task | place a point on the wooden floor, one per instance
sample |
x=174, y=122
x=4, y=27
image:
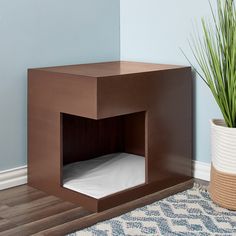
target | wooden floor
x=27, y=211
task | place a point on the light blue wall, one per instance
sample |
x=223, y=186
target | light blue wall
x=55, y=32
x=36, y=33
x=154, y=31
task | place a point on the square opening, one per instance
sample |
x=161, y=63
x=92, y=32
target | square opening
x=105, y=156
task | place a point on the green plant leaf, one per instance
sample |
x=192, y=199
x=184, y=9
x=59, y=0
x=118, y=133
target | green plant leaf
x=215, y=53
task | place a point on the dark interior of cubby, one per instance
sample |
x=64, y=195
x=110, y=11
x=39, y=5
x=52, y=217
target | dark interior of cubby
x=84, y=138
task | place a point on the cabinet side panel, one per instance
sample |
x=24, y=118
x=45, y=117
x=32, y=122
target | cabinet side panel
x=170, y=125
x=134, y=135
x=49, y=94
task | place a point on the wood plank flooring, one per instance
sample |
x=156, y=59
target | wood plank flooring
x=27, y=211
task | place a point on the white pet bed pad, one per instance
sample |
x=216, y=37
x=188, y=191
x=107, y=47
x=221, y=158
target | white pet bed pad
x=105, y=175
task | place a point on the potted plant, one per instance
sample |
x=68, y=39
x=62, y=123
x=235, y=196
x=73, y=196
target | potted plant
x=215, y=53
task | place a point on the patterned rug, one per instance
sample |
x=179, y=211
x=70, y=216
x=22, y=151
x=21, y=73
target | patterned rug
x=189, y=213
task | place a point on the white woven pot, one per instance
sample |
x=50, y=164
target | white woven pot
x=223, y=147
x=223, y=171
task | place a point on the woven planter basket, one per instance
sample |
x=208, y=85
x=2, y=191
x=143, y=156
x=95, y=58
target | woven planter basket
x=223, y=169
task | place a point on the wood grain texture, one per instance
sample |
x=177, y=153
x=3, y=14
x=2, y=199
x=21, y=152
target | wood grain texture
x=34, y=211
x=105, y=69
x=102, y=94
x=51, y=216
x=85, y=138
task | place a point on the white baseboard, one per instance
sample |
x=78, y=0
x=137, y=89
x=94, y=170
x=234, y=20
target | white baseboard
x=13, y=177
x=201, y=170
x=18, y=176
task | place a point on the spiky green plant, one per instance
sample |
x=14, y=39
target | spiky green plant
x=215, y=53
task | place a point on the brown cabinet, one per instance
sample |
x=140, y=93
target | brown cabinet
x=80, y=112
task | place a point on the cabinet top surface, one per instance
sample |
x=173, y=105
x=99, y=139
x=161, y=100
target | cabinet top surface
x=109, y=68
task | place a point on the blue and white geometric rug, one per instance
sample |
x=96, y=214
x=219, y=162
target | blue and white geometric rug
x=190, y=213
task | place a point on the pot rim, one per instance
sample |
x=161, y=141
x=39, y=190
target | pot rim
x=220, y=124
